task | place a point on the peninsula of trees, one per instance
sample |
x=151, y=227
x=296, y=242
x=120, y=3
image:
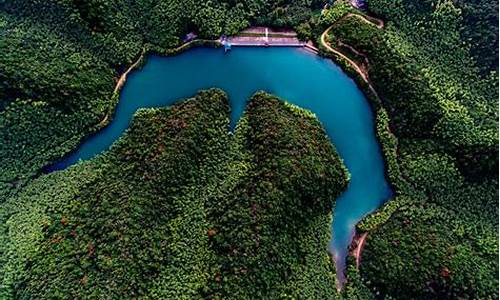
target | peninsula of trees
x=208, y=202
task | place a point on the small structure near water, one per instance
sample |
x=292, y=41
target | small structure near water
x=227, y=46
x=359, y=4
x=189, y=37
x=265, y=37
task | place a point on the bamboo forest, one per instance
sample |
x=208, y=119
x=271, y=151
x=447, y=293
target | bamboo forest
x=249, y=149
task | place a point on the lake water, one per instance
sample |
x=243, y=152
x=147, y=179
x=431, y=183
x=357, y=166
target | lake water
x=293, y=74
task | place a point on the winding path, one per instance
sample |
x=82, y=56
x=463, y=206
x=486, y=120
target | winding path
x=359, y=248
x=370, y=20
x=363, y=73
x=192, y=42
x=123, y=78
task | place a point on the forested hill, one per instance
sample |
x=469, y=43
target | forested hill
x=59, y=61
x=81, y=231
x=180, y=209
x=480, y=31
x=116, y=29
x=473, y=22
x=435, y=68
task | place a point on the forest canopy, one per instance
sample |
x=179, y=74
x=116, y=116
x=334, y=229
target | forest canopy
x=438, y=123
x=177, y=206
x=434, y=66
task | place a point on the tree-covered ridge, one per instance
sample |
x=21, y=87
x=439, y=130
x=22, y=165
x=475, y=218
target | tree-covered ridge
x=180, y=208
x=138, y=217
x=60, y=59
x=427, y=252
x=160, y=23
x=473, y=22
x=429, y=97
x=266, y=225
x=432, y=65
x=438, y=239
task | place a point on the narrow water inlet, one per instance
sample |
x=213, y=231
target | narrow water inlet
x=295, y=75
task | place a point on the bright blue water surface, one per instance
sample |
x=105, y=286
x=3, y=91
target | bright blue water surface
x=299, y=77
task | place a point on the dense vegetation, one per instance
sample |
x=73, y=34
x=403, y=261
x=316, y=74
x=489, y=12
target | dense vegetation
x=438, y=86
x=179, y=208
x=446, y=100
x=434, y=65
x=60, y=59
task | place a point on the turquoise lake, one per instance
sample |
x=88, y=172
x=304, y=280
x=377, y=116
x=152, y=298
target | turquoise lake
x=293, y=74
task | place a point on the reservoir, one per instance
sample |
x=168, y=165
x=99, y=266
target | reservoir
x=297, y=76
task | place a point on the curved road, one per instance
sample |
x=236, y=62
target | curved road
x=359, y=70
x=364, y=76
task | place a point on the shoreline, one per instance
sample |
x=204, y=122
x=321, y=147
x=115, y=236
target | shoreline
x=360, y=241
x=123, y=78
x=361, y=72
x=306, y=46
